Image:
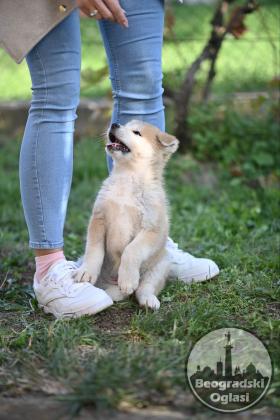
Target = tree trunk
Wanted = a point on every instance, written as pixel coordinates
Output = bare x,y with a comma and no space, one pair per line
182,100
210,52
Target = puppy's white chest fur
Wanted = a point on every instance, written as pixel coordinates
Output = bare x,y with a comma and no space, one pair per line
128,206
124,213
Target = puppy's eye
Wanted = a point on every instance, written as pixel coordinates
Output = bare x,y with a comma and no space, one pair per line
137,133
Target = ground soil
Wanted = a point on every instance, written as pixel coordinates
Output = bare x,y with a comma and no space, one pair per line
41,407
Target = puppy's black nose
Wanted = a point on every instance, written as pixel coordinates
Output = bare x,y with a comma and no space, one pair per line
114,126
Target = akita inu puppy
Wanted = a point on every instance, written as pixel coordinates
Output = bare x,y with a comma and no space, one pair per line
128,229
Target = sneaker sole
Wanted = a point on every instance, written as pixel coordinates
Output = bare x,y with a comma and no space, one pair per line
197,278
91,310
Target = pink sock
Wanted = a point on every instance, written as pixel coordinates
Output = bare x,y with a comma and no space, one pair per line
44,262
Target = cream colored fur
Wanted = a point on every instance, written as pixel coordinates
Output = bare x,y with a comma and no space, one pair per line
128,229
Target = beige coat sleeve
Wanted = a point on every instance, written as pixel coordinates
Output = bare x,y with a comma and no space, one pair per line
23,23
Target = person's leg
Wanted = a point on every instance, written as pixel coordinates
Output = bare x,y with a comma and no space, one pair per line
46,170
134,57
47,147
135,62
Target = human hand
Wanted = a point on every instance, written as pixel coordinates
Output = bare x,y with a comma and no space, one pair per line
104,9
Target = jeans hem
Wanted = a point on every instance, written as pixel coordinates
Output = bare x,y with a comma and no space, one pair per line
46,245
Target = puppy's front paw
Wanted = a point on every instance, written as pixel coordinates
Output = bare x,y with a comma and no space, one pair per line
115,293
150,301
128,280
82,275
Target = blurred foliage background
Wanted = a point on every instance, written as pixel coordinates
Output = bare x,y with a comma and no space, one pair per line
248,64
239,126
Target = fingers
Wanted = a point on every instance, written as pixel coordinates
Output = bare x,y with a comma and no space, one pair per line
103,10
107,9
117,12
85,7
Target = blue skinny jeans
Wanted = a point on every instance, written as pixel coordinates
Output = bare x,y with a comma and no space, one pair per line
46,156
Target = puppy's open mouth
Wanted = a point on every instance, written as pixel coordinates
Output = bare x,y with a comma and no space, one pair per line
116,144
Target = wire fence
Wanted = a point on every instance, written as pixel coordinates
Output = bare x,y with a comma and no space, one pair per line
248,64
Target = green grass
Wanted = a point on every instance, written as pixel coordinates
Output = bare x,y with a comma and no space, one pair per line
243,65
126,354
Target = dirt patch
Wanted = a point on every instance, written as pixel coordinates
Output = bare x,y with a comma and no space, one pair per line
32,407
48,408
114,320
273,310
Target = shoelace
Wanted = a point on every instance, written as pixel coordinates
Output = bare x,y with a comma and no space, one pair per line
174,247
60,276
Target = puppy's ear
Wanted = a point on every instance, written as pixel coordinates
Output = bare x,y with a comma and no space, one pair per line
168,141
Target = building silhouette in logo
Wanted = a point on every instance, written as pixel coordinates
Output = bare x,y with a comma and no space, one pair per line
231,382
226,371
228,359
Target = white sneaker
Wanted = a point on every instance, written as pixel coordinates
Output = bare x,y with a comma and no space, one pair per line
58,294
188,268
